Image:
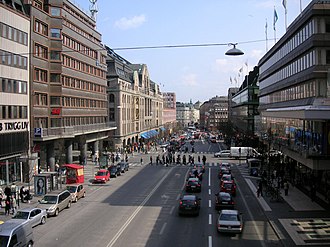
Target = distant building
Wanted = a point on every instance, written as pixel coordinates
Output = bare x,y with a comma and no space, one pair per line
14,92
186,114
214,113
169,112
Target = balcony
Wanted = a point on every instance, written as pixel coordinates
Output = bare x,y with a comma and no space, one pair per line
73,131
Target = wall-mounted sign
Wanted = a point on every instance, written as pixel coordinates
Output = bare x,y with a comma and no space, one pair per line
56,111
13,126
37,132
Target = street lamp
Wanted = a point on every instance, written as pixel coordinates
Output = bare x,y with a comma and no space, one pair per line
234,51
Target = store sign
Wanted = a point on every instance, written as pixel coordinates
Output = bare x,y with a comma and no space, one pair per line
13,126
56,111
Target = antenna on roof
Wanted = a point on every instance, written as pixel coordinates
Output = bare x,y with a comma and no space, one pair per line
93,9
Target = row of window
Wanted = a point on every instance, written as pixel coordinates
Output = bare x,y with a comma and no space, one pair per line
40,27
81,66
83,85
13,86
67,121
13,112
78,15
78,46
305,33
302,63
14,60
9,32
301,91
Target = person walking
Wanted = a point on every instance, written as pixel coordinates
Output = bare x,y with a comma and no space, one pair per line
13,205
141,161
150,160
21,193
7,207
286,188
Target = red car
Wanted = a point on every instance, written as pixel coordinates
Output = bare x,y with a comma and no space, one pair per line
102,176
229,187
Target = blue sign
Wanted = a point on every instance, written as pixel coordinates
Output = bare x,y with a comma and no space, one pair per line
37,132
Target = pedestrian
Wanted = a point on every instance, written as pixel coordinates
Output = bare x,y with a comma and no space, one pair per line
199,159
150,160
13,204
286,188
260,187
141,161
2,196
7,207
21,193
258,191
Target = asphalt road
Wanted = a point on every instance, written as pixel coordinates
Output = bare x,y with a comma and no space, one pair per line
139,208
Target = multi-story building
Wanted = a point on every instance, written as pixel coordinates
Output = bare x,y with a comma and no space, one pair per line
295,96
169,112
135,102
231,93
68,83
214,113
14,92
185,115
245,103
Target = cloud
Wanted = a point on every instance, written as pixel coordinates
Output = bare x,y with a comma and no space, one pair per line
128,23
189,80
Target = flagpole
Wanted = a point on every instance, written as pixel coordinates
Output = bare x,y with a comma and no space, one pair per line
266,26
286,13
275,20
300,7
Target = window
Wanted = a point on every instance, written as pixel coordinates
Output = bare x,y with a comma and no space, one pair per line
55,33
112,98
54,11
111,114
40,27
55,55
40,75
40,51
55,100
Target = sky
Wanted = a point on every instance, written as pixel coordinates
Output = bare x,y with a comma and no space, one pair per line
193,73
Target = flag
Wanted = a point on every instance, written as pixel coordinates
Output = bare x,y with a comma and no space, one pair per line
266,26
231,81
246,63
235,80
284,4
240,70
275,18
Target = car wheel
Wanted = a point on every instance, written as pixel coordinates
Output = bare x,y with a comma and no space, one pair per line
76,199
43,220
84,195
69,205
57,212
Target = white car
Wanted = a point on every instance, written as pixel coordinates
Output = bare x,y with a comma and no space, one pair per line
230,221
35,216
223,154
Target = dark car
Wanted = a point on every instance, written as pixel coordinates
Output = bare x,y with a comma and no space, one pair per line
223,200
193,185
189,204
114,171
123,166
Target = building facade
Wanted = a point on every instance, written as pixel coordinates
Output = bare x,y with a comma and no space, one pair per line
68,84
135,103
185,114
295,97
14,92
169,112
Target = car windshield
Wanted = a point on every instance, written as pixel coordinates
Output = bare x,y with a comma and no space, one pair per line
21,215
49,200
225,197
101,173
113,169
72,189
4,241
227,185
188,202
229,217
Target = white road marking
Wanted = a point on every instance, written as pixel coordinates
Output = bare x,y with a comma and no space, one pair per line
210,241
172,209
163,228
137,210
178,197
209,176
210,219
209,191
209,203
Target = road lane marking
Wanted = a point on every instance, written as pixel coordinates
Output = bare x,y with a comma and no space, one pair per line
209,191
210,241
137,210
163,228
259,234
210,219
209,176
209,203
178,197
172,209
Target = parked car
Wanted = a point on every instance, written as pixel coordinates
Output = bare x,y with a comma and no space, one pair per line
77,191
193,185
222,154
123,166
228,186
224,200
102,176
230,221
189,204
114,171
16,232
35,216
55,202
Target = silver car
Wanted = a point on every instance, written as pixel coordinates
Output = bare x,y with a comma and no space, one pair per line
35,216
77,191
55,202
230,221
223,154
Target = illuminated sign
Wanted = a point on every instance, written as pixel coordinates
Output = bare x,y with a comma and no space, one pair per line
56,111
13,126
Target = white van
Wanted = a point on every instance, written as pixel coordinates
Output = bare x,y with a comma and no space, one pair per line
243,152
16,232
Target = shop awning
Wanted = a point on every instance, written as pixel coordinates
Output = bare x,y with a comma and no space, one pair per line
162,128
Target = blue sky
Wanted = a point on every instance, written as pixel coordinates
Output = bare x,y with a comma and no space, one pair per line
197,73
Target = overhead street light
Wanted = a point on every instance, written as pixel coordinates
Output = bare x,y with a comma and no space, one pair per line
234,51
